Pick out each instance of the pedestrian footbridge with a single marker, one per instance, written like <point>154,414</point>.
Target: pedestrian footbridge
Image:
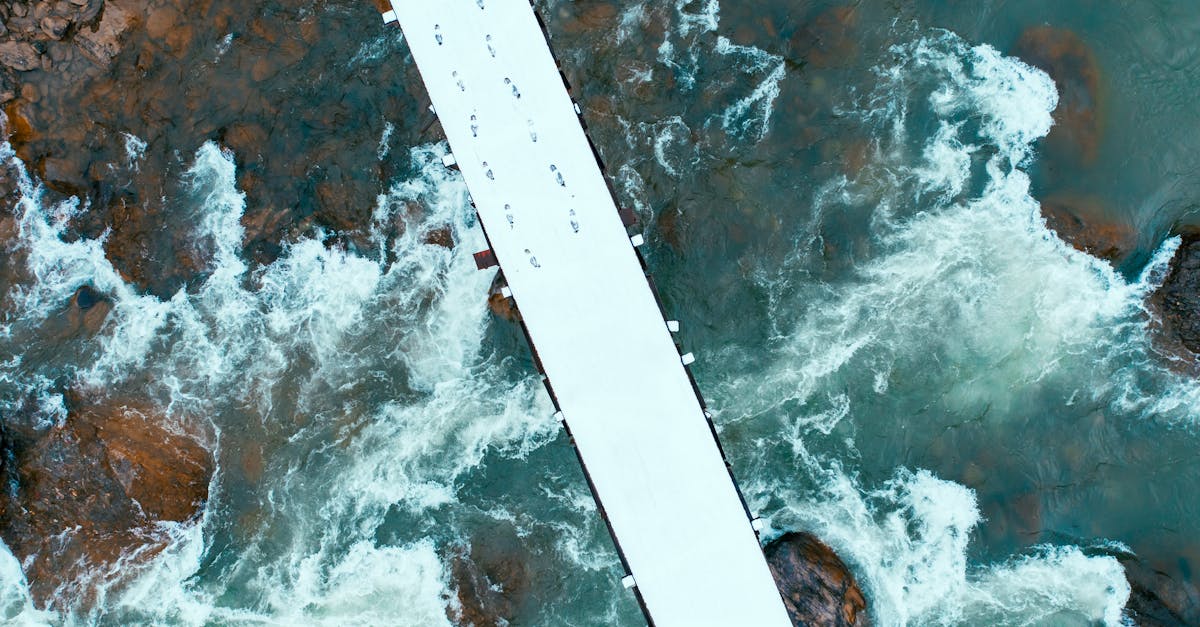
<point>613,369</point>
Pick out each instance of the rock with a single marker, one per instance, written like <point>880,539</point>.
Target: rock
<point>102,43</point>
<point>818,589</point>
<point>93,489</point>
<point>593,16</point>
<point>20,56</point>
<point>829,39</point>
<point>500,305</point>
<point>1072,65</point>
<point>161,21</point>
<point>8,87</point>
<point>442,236</point>
<point>1156,599</point>
<point>1176,304</point>
<point>65,175</point>
<point>55,26</point>
<point>1084,223</point>
<point>158,260</point>
<point>84,315</point>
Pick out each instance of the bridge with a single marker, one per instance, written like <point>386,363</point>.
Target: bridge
<point>621,387</point>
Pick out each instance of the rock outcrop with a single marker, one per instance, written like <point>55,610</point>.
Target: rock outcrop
<point>106,100</point>
<point>818,589</point>
<point>1176,304</point>
<point>1157,600</point>
<point>83,494</point>
<point>1087,225</point>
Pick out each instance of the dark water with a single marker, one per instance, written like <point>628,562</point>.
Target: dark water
<point>842,209</point>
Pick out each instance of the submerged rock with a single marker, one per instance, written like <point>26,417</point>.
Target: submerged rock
<point>1071,63</point>
<point>147,253</point>
<point>818,589</point>
<point>85,493</point>
<point>829,40</point>
<point>1083,223</point>
<point>491,580</point>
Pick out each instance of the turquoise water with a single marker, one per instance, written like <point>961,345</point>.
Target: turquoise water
<point>841,207</point>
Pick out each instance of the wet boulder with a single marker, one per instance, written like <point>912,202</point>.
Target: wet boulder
<point>20,56</point>
<point>148,252</point>
<point>1086,225</point>
<point>502,306</point>
<point>55,26</point>
<point>1175,306</point>
<point>96,488</point>
<point>101,42</point>
<point>1063,55</point>
<point>818,589</point>
<point>83,316</point>
<point>1156,599</point>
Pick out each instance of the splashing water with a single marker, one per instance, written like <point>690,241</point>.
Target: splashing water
<point>965,273</point>
<point>395,380</point>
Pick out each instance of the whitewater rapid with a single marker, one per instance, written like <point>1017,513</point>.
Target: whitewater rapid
<point>371,379</point>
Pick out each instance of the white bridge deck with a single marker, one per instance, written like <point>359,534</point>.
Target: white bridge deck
<point>618,378</point>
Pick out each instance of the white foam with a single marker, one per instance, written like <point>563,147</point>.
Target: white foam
<point>632,17</point>
<point>908,542</point>
<point>964,276</point>
<point>16,605</point>
<point>730,68</point>
<point>385,140</point>
<point>135,149</point>
<point>751,115</point>
<point>225,347</point>
<point>704,20</point>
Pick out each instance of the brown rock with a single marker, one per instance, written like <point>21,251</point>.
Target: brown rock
<point>20,130</point>
<point>829,39</point>
<point>20,56</point>
<point>263,69</point>
<point>55,26</point>
<point>65,175</point>
<point>491,580</point>
<point>102,43</point>
<point>593,16</point>
<point>179,39</point>
<point>442,236</point>
<point>1072,65</point>
<point>818,589</point>
<point>93,489</point>
<point>1158,599</point>
<point>8,230</point>
<point>1086,224</point>
<point>160,261</point>
<point>161,21</point>
<point>501,306</point>
<point>84,315</point>
<point>247,141</point>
